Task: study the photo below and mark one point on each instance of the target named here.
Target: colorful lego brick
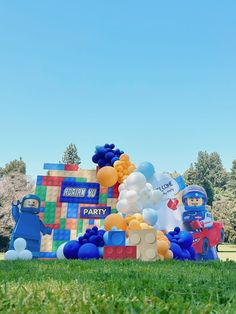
(119, 252)
(48, 255)
(52, 193)
(114, 211)
(102, 198)
(116, 238)
(46, 243)
(146, 243)
(53, 226)
(64, 210)
(91, 222)
(71, 224)
(61, 235)
(56, 244)
(52, 181)
(49, 212)
(62, 223)
(73, 234)
(72, 210)
(71, 167)
(51, 166)
(80, 226)
(39, 180)
(41, 191)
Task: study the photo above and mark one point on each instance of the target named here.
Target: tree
(190, 175)
(232, 179)
(14, 166)
(209, 190)
(71, 155)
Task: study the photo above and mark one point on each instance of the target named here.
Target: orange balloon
(107, 176)
(163, 246)
(134, 225)
(114, 220)
(169, 255)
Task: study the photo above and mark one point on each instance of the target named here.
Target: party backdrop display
(71, 201)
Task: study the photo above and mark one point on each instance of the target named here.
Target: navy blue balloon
(95, 158)
(93, 239)
(95, 229)
(192, 253)
(88, 251)
(114, 159)
(186, 255)
(176, 250)
(101, 162)
(109, 156)
(185, 239)
(71, 249)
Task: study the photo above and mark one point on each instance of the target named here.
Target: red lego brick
(119, 252)
(71, 167)
(52, 181)
(59, 204)
(53, 226)
(116, 190)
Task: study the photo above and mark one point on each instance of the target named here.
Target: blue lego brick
(91, 222)
(181, 182)
(39, 180)
(72, 211)
(116, 238)
(48, 166)
(61, 235)
(41, 210)
(69, 179)
(48, 255)
(110, 192)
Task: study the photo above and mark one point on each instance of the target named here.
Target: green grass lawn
(117, 287)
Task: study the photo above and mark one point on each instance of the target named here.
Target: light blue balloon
(150, 216)
(101, 251)
(147, 169)
(105, 238)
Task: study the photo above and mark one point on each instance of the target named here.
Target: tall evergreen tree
(14, 166)
(232, 179)
(71, 156)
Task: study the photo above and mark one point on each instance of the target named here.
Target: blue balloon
(176, 250)
(186, 255)
(150, 216)
(147, 169)
(71, 249)
(192, 253)
(101, 162)
(185, 239)
(88, 251)
(101, 251)
(105, 238)
(114, 159)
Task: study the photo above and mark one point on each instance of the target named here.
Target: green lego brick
(101, 223)
(63, 223)
(41, 191)
(114, 211)
(102, 198)
(56, 244)
(80, 226)
(81, 180)
(50, 207)
(49, 219)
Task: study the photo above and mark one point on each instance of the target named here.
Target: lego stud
(150, 253)
(135, 239)
(150, 238)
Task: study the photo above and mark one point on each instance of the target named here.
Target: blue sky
(157, 78)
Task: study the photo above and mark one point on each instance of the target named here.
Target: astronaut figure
(196, 216)
(28, 225)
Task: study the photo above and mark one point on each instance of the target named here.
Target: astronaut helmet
(194, 195)
(31, 204)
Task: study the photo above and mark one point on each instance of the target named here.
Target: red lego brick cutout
(71, 167)
(119, 252)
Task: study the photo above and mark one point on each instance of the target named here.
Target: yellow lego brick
(146, 243)
(73, 234)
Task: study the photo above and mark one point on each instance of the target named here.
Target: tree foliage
(71, 156)
(232, 179)
(14, 166)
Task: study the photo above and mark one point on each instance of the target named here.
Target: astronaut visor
(31, 203)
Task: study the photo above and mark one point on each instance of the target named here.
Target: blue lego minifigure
(28, 225)
(196, 216)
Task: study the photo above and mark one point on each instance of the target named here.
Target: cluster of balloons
(123, 167)
(20, 251)
(181, 244)
(87, 246)
(106, 155)
(163, 247)
(139, 222)
(136, 194)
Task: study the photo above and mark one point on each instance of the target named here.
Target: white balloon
(149, 186)
(25, 255)
(19, 244)
(11, 255)
(131, 196)
(121, 187)
(123, 194)
(136, 181)
(122, 206)
(60, 254)
(157, 196)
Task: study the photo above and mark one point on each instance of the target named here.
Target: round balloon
(150, 216)
(25, 255)
(60, 253)
(11, 255)
(107, 176)
(147, 169)
(19, 244)
(114, 220)
(88, 251)
(71, 249)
